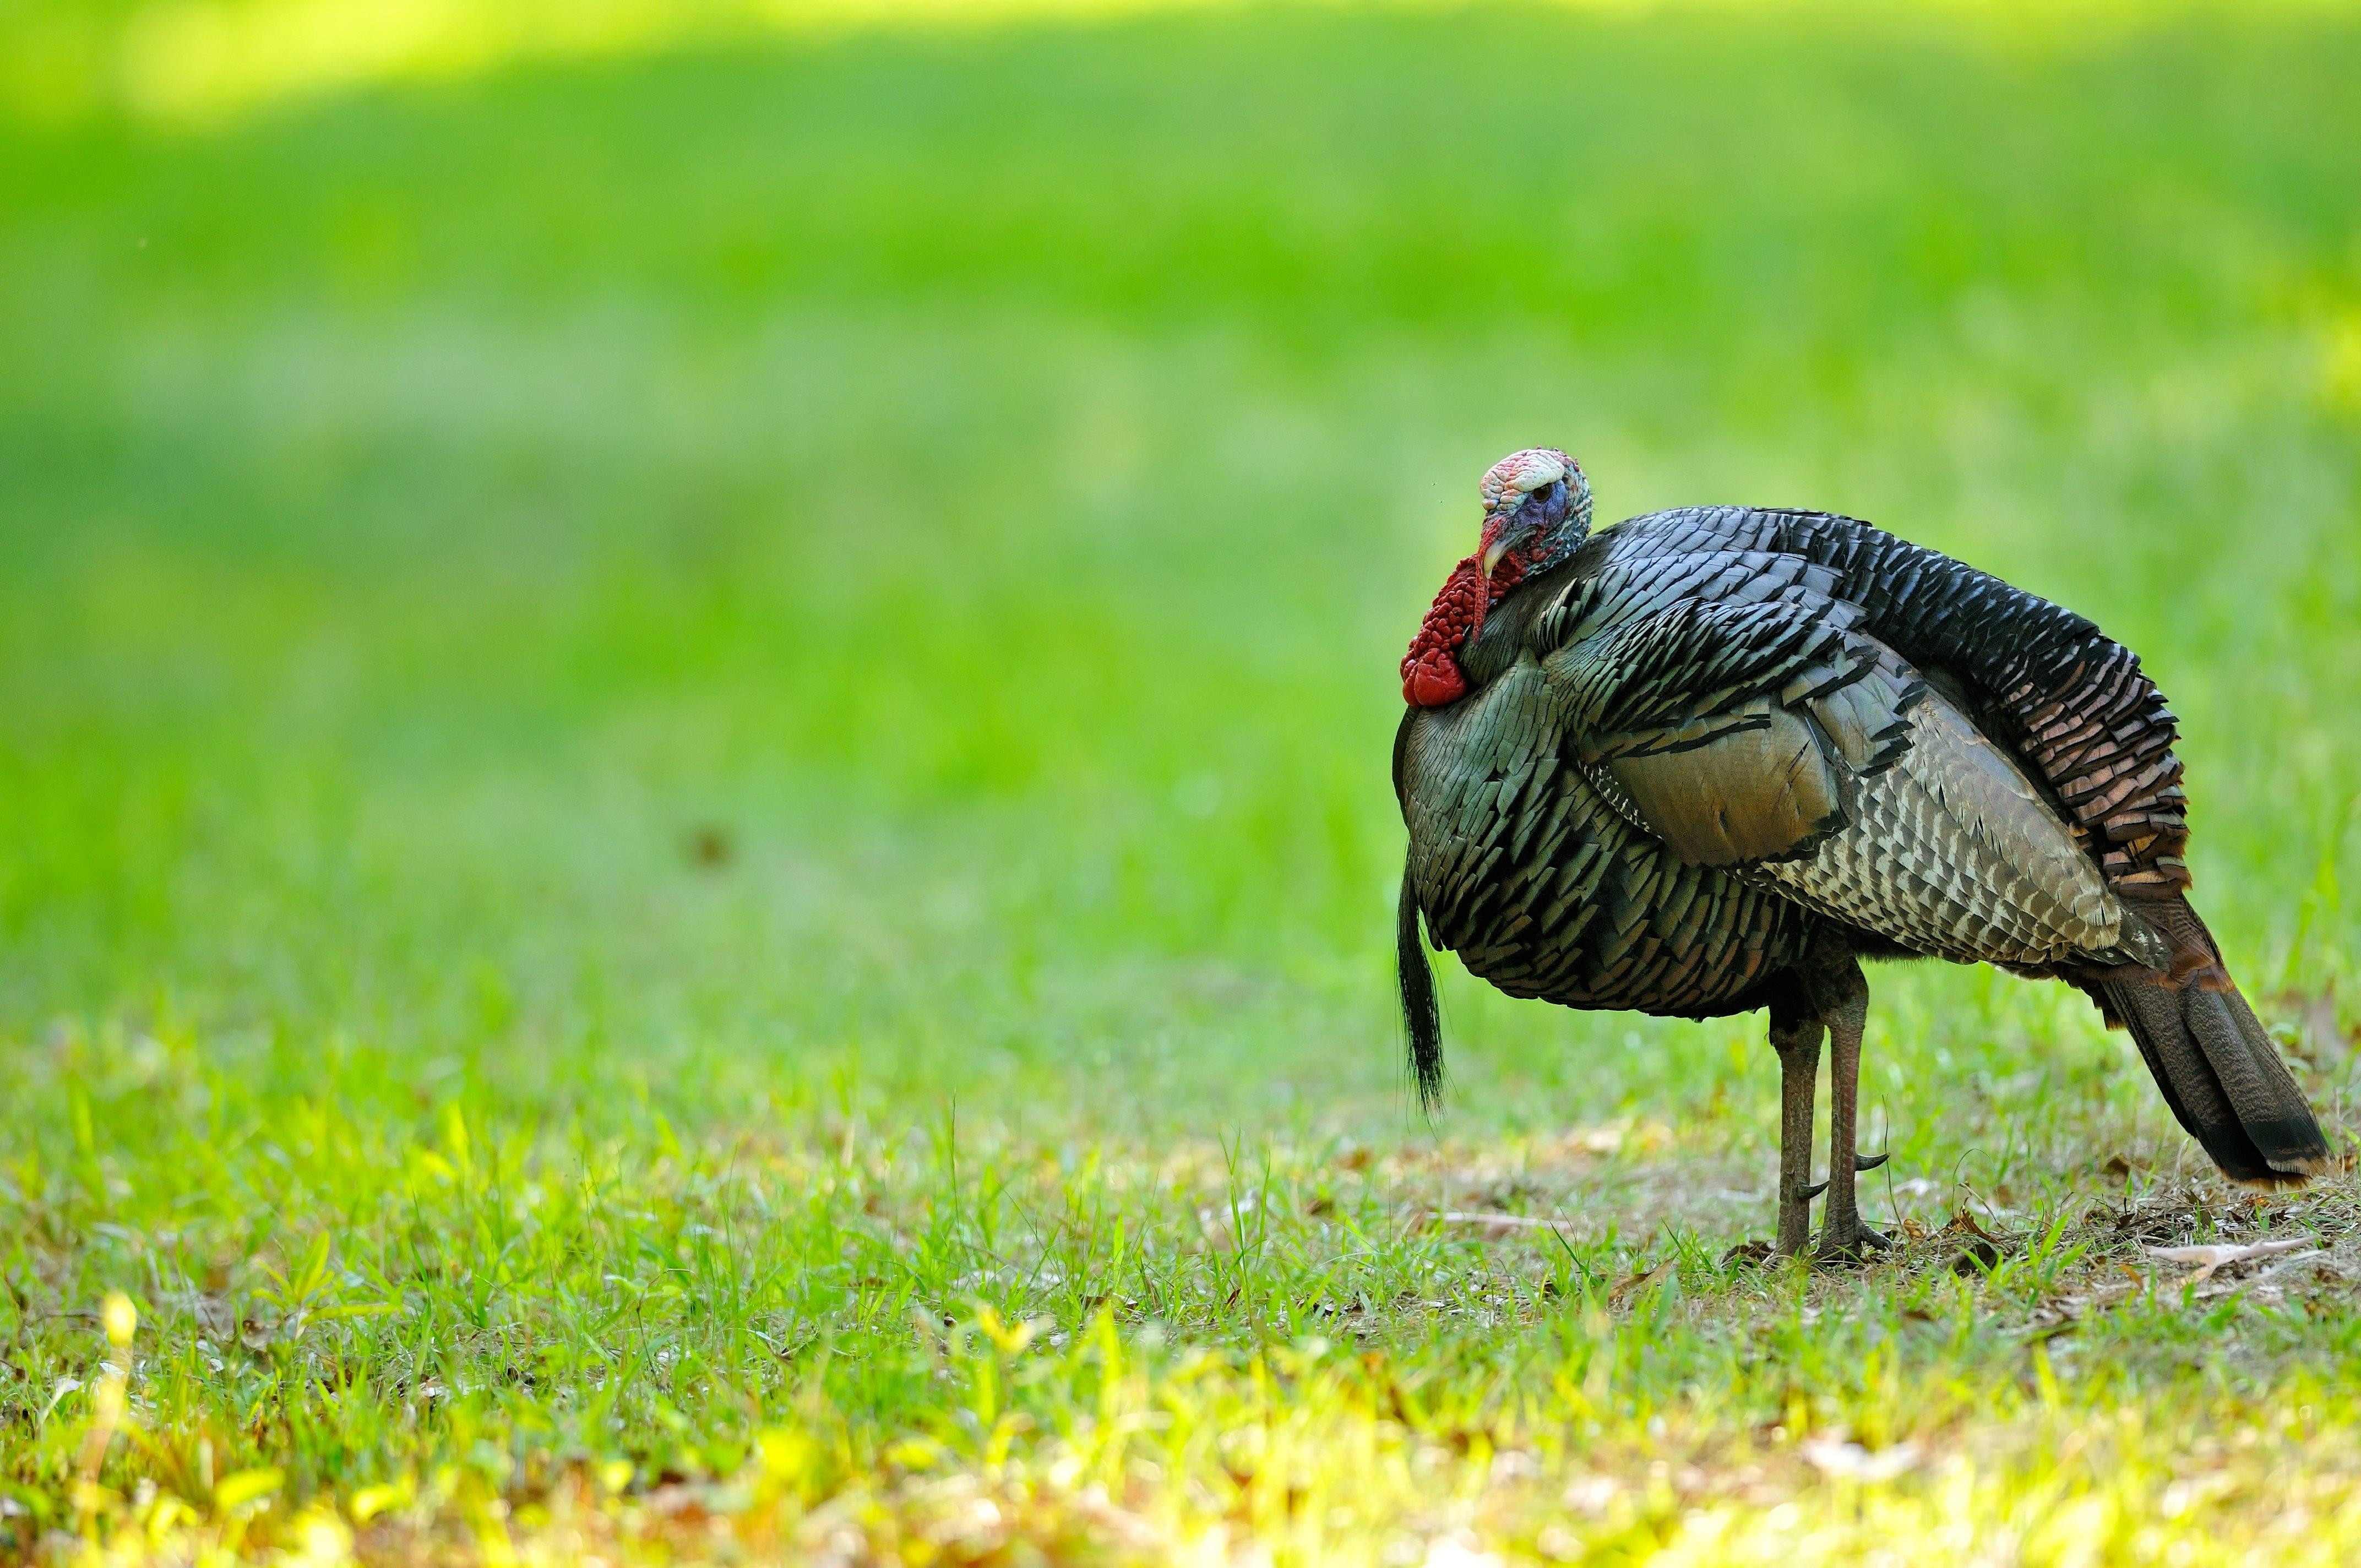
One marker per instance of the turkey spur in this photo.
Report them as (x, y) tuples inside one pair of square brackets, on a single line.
[(1708, 759)]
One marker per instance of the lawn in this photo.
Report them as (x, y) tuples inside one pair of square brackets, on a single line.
[(695, 858)]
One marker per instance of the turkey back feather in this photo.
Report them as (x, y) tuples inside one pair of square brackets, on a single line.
[(2074, 705)]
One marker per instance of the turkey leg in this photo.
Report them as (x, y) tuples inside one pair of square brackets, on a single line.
[(1796, 1038), (1841, 996)]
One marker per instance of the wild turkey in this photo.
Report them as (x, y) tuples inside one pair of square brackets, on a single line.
[(1708, 759)]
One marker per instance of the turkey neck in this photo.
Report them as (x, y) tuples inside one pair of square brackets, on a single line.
[(1504, 635)]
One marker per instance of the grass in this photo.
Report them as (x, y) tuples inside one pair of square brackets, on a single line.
[(698, 860)]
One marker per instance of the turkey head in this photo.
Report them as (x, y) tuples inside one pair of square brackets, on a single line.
[(1536, 509)]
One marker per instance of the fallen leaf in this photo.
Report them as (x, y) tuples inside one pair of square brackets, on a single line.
[(1851, 1462), (1962, 1220), (2269, 1276), (2209, 1258), (1638, 1282)]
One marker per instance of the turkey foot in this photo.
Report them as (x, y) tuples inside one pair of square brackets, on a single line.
[(1841, 996), (1861, 1162), (1836, 1247), (1796, 1036)]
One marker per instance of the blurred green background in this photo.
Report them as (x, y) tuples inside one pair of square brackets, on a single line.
[(689, 693), (727, 561)]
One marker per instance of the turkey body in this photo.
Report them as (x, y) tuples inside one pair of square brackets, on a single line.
[(1719, 753)]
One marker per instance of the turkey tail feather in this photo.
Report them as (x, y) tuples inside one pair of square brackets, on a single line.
[(2218, 1069), (1421, 1016)]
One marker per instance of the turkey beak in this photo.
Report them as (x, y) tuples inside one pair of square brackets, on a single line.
[(1514, 534)]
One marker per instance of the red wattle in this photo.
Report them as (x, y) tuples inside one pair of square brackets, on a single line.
[(1434, 684), (1430, 671)]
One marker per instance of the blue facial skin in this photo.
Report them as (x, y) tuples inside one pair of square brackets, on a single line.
[(1555, 519)]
